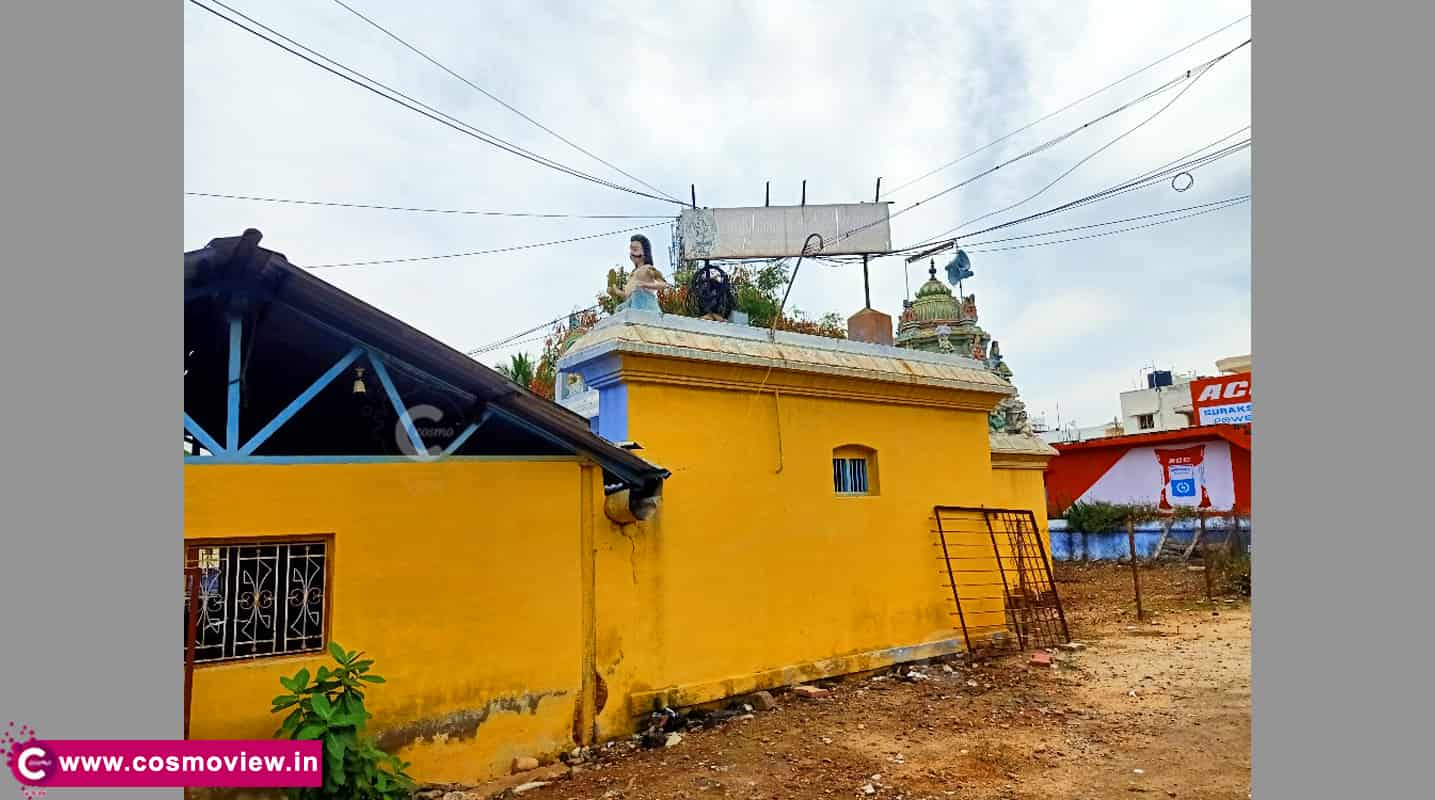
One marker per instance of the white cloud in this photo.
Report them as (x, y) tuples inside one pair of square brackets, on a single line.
[(727, 96)]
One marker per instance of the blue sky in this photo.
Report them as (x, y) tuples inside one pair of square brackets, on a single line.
[(728, 96)]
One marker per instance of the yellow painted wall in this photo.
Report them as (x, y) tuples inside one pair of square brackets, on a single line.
[(1021, 489), (466, 580), (754, 565), (462, 579)]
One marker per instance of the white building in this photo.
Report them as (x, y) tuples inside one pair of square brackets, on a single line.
[(1074, 433), (1164, 405), (1234, 364)]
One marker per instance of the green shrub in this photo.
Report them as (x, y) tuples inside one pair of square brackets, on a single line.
[(1232, 571), (330, 708), (1181, 513), (1102, 517)]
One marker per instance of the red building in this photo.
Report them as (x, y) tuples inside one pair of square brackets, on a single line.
[(1201, 467)]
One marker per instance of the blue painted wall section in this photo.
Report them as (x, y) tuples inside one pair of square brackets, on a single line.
[(613, 412), (601, 374), (1113, 545)]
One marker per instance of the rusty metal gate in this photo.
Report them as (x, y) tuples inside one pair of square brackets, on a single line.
[(994, 561)]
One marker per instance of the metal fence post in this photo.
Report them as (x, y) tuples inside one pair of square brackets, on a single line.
[(1135, 571), (1205, 557)]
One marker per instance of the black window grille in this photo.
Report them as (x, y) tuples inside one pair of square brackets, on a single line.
[(259, 599), (849, 475)]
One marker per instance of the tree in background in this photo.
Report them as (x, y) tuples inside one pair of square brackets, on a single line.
[(519, 369), (562, 337), (757, 293)]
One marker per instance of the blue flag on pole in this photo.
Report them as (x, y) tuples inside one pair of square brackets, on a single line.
[(960, 269)]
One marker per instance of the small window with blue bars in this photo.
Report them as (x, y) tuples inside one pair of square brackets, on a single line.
[(849, 475)]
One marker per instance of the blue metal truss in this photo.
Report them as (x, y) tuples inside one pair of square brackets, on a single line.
[(232, 452)]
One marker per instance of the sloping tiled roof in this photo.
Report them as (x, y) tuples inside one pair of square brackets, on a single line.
[(674, 336), (1021, 445)]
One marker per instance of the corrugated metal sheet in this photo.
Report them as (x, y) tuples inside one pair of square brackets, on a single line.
[(781, 231)]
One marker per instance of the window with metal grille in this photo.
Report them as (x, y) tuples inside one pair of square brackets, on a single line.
[(259, 599), (849, 475), (1146, 421)]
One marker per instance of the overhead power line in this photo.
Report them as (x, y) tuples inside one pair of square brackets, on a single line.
[(1195, 152), (1220, 207), (417, 106), (542, 326), (532, 214), (1235, 199), (1196, 70), (1098, 151), (1200, 209), (1148, 178), (489, 95), (482, 252), (1187, 162), (1121, 188), (1066, 107), (530, 340)]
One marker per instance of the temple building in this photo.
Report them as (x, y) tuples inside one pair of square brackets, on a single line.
[(937, 322)]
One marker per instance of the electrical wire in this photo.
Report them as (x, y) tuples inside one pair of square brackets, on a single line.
[(532, 214), (1148, 178), (1222, 207), (1098, 151), (1237, 198), (1179, 159), (365, 82), (448, 120), (1199, 210), (1186, 76), (1066, 107), (1195, 152), (1119, 189), (541, 326), (482, 252), (540, 337), (495, 99)]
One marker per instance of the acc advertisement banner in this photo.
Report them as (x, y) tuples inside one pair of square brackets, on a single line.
[(1222, 401), (1198, 476)]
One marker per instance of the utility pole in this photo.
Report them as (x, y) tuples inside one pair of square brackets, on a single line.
[(866, 287)]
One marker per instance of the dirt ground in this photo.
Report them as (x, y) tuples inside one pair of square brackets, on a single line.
[(1160, 709)]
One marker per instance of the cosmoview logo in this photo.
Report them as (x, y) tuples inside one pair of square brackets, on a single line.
[(420, 415), (39, 766), (30, 760), (35, 763)]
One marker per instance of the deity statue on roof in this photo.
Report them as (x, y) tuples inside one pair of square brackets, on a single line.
[(645, 277), (944, 341), (979, 347), (969, 308)]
